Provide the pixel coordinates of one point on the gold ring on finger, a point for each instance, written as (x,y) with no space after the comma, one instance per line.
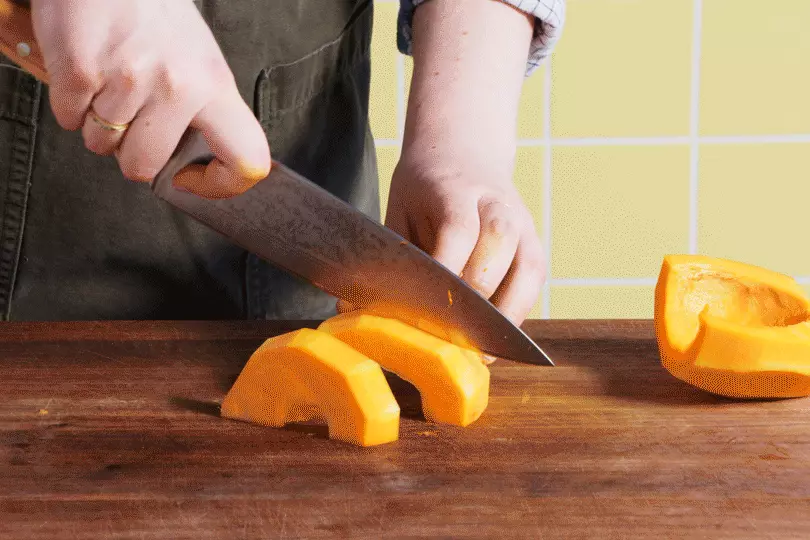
(109,126)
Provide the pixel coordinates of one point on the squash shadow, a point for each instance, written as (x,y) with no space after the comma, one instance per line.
(629,369)
(407,396)
(209,408)
(212,408)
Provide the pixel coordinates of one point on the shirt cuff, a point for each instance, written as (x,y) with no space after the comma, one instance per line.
(549,20)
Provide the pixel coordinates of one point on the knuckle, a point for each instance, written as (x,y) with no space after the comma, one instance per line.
(173,83)
(129,75)
(464,222)
(500,220)
(82,73)
(501,226)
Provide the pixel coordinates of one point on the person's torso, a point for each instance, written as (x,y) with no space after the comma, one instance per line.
(78,241)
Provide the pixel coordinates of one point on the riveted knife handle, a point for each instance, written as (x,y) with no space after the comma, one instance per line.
(17,40)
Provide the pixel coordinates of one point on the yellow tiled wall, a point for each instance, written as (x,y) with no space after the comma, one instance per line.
(659,126)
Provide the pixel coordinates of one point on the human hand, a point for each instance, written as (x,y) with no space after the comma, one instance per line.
(468,215)
(155,66)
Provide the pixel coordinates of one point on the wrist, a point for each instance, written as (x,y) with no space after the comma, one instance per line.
(469,68)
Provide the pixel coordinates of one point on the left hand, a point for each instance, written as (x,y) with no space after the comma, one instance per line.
(468,215)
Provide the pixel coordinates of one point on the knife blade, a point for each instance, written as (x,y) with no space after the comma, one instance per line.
(300,227)
(297,225)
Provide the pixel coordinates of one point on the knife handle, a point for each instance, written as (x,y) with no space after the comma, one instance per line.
(17,40)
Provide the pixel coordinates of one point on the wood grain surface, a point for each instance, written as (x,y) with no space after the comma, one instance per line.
(111,430)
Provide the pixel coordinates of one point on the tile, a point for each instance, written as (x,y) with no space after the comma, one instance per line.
(622,68)
(601,302)
(528,178)
(752,200)
(530,184)
(616,210)
(537,310)
(383,91)
(754,77)
(387,158)
(531,115)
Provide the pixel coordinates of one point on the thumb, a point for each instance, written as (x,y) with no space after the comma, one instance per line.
(242,154)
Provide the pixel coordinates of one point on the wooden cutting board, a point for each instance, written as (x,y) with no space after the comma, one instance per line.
(111,430)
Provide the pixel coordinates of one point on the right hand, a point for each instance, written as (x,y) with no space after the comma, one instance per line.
(155,65)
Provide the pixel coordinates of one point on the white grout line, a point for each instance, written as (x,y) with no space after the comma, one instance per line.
(694,156)
(387,142)
(611,141)
(603,282)
(668,141)
(547,176)
(755,139)
(628,282)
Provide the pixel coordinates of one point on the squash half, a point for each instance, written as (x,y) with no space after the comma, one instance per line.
(309,375)
(732,328)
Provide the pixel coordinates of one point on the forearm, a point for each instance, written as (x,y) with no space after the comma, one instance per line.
(469,67)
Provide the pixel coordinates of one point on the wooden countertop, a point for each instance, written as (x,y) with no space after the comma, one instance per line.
(110,430)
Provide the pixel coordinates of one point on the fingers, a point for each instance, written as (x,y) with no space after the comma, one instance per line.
(500,256)
(158,127)
(521,287)
(71,91)
(107,119)
(134,79)
(495,249)
(124,94)
(457,233)
(74,75)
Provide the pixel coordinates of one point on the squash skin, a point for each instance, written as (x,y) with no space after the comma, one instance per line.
(453,381)
(733,329)
(309,375)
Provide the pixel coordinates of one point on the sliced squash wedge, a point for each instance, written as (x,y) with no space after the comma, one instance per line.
(453,382)
(733,329)
(445,334)
(309,375)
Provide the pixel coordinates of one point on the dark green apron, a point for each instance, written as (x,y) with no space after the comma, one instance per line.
(78,241)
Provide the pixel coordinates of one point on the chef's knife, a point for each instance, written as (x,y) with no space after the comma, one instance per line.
(296,225)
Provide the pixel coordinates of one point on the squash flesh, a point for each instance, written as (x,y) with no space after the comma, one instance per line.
(308,375)
(453,382)
(732,328)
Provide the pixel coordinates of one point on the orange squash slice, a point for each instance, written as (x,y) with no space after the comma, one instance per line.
(732,328)
(309,375)
(445,334)
(453,382)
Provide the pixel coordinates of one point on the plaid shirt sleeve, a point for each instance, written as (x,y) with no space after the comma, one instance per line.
(549,19)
